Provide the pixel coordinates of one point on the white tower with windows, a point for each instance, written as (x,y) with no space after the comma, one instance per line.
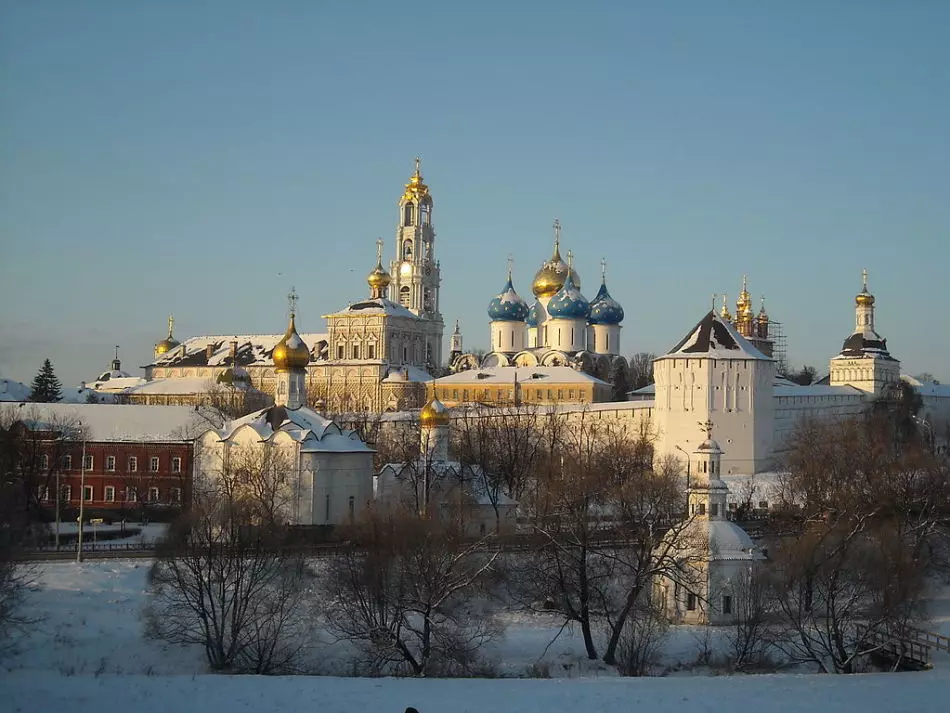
(415,271)
(291,357)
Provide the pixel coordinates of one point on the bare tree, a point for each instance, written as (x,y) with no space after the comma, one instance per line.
(641,370)
(870,504)
(751,634)
(405,595)
(229,590)
(642,642)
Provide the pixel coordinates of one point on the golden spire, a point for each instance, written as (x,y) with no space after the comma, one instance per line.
(744,302)
(291,352)
(724,310)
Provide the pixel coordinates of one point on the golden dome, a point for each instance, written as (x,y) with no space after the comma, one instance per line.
(416,190)
(379,278)
(864,298)
(552,275)
(291,352)
(433,414)
(169,343)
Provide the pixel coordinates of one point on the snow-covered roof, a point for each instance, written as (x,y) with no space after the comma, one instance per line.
(390,478)
(374,306)
(407,373)
(314,432)
(11,390)
(865,344)
(928,388)
(524,375)
(816,390)
(714,338)
(115,384)
(176,385)
(252,349)
(722,539)
(120,422)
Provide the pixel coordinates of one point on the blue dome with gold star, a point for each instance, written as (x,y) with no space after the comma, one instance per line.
(535,314)
(508,305)
(604,309)
(569,303)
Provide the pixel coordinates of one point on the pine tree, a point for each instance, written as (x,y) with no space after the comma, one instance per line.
(46,387)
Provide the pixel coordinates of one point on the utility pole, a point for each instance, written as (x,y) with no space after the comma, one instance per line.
(82,493)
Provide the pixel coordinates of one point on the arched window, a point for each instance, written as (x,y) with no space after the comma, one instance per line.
(424,211)
(407,250)
(407,214)
(404,295)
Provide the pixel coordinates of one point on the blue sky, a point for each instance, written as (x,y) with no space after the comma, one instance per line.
(198,158)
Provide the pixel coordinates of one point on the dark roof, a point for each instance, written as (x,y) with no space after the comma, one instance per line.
(869,344)
(713,335)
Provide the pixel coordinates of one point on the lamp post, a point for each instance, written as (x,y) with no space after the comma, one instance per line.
(687,464)
(82,493)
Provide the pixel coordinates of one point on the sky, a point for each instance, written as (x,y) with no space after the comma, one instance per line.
(199,158)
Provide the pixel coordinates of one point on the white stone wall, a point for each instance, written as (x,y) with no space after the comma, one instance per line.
(603,338)
(507,336)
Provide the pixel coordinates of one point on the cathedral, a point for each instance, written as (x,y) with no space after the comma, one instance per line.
(376,355)
(561,328)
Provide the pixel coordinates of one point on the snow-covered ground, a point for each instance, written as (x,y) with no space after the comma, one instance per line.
(89,654)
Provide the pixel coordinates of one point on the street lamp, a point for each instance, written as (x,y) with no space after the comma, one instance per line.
(687,464)
(82,493)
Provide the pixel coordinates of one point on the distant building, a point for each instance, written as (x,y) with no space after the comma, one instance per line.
(497,386)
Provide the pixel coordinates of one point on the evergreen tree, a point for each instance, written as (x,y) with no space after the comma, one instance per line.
(46,387)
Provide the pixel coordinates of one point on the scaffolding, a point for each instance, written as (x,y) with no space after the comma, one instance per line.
(779,347)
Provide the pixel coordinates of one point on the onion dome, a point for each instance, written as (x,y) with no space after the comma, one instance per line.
(763,317)
(535,314)
(416,190)
(169,343)
(569,303)
(604,309)
(291,352)
(434,414)
(550,278)
(379,278)
(744,301)
(508,305)
(864,298)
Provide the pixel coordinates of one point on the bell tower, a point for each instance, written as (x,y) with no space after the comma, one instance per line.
(415,272)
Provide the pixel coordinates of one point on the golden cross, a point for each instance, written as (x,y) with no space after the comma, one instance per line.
(707,427)
(292,301)
(864,275)
(379,251)
(557,232)
(171,325)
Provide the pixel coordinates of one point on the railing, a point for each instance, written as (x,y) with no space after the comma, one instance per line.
(931,639)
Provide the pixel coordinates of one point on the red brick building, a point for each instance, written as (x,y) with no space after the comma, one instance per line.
(124,458)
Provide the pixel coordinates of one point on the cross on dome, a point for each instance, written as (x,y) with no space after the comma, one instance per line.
(171,324)
(706,427)
(379,250)
(603,270)
(557,233)
(511,262)
(292,301)
(864,276)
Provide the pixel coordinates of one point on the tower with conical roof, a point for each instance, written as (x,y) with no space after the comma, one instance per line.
(864,361)
(415,273)
(291,357)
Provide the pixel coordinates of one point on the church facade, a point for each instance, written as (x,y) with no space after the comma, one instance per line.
(376,353)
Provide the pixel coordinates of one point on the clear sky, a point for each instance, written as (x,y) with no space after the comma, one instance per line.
(199,158)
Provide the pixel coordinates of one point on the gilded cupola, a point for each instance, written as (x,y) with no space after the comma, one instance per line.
(724,312)
(169,343)
(378,279)
(291,353)
(550,278)
(434,414)
(416,190)
(744,301)
(864,298)
(763,317)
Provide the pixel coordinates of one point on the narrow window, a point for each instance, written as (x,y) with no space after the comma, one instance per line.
(153,464)
(110,493)
(702,508)
(87,493)
(352,507)
(45,462)
(131,495)
(153,495)
(176,496)
(726,604)
(690,601)
(327,515)
(714,509)
(339,351)
(67,462)
(133,464)
(110,463)
(176,464)
(87,462)
(67,493)
(356,351)
(371,351)
(407,220)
